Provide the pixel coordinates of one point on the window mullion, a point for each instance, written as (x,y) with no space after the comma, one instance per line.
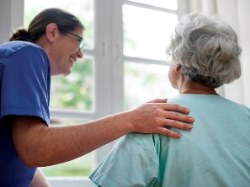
(103,67)
(117,88)
(103,57)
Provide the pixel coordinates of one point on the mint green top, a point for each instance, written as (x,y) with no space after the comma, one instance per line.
(216,153)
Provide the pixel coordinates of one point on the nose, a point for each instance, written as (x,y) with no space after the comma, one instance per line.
(79,53)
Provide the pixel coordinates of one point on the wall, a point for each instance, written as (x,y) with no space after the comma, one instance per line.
(11,17)
(236,13)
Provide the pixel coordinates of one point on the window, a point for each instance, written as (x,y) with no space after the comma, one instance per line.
(124,66)
(146,34)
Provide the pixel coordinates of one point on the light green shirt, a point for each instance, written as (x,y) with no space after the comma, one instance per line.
(216,153)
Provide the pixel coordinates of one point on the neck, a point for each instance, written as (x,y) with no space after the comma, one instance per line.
(195,88)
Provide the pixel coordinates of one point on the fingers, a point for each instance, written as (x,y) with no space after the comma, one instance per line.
(158,101)
(175,116)
(172,118)
(174,107)
(169,133)
(176,124)
(168,124)
(158,117)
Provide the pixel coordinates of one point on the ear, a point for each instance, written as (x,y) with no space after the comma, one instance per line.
(52,32)
(177,68)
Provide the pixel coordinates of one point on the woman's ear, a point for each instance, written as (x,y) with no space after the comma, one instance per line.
(177,68)
(52,32)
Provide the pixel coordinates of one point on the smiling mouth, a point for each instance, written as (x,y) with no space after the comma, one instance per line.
(72,62)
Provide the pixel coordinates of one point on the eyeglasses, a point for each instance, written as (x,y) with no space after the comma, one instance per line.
(79,39)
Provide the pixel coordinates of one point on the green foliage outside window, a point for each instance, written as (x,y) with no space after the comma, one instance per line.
(76,90)
(78,167)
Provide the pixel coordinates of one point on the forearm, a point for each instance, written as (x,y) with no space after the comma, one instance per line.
(40,145)
(77,140)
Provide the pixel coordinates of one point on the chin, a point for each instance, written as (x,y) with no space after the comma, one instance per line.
(66,73)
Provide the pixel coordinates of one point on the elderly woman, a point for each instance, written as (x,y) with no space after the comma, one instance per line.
(205,55)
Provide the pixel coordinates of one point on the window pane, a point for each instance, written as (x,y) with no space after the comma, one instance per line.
(83,9)
(147,32)
(170,4)
(144,82)
(75,91)
(78,167)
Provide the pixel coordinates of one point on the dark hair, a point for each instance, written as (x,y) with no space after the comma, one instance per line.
(65,21)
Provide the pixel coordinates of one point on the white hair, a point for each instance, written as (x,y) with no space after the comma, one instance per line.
(207,49)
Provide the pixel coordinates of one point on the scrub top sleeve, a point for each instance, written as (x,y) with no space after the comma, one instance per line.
(127,165)
(26,84)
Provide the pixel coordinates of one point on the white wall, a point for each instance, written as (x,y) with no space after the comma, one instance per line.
(11,17)
(237,14)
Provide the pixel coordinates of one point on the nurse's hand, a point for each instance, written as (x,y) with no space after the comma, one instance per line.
(157,116)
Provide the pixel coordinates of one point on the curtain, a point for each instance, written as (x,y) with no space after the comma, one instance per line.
(236,13)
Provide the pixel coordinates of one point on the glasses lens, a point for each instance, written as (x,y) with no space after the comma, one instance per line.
(79,38)
(81,45)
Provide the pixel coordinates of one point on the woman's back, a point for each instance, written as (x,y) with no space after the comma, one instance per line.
(216,152)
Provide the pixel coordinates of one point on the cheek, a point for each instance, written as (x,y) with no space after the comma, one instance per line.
(169,76)
(63,61)
(170,73)
(172,76)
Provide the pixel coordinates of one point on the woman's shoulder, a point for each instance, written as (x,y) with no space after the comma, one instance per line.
(18,48)
(199,103)
(148,142)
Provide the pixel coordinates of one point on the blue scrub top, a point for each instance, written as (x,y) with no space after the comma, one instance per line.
(25,90)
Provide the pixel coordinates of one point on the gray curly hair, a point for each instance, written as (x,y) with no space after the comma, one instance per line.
(207,49)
